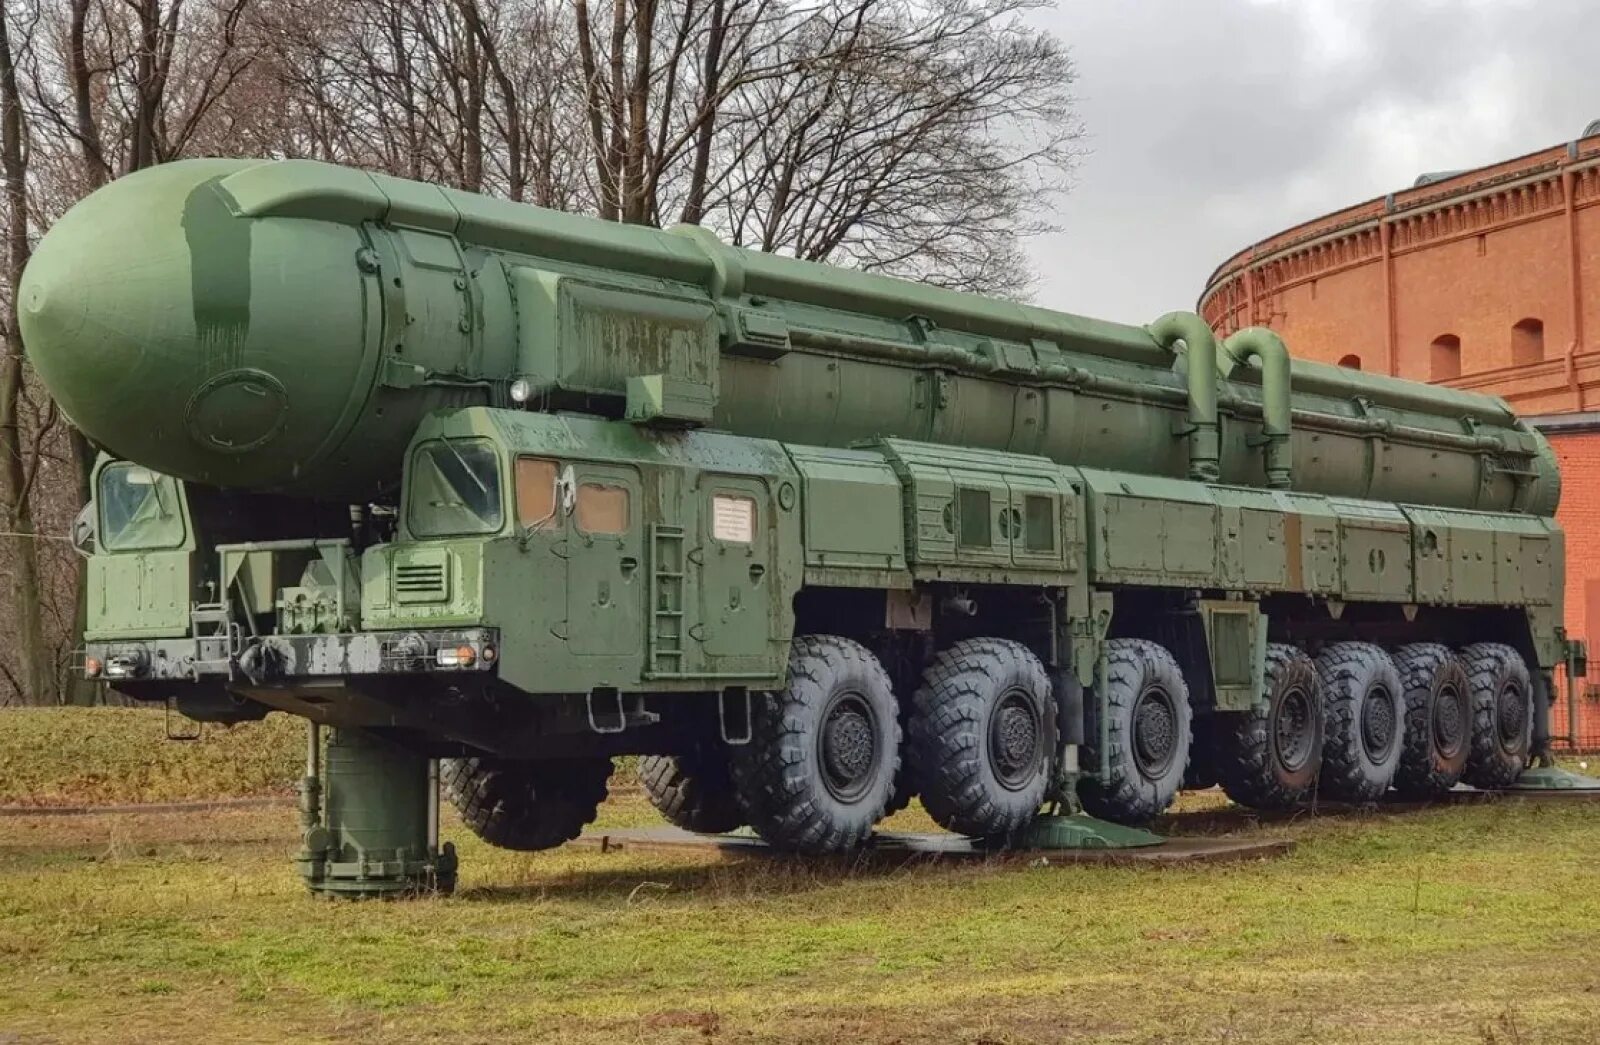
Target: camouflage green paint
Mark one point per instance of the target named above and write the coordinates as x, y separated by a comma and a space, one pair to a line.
477, 293
219, 274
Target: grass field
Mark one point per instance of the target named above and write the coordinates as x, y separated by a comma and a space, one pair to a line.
1456, 924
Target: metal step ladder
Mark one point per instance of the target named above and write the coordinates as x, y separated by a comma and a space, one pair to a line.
667, 583
218, 640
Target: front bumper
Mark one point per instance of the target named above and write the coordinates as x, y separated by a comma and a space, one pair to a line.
266, 659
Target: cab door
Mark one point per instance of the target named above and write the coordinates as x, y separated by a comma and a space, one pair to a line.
737, 618
605, 587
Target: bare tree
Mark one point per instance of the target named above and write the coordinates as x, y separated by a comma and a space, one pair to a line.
31, 672
922, 138
91, 90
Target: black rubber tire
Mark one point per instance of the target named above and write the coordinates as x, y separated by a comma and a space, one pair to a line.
1257, 768
1144, 774
1363, 704
1438, 735
1202, 770
522, 805
784, 778
693, 791
1502, 714
953, 737
904, 789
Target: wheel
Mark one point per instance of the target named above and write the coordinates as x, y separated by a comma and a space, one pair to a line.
1148, 724
1269, 756
820, 766
693, 791
523, 805
1438, 733
1363, 721
1202, 770
904, 789
981, 736
1502, 714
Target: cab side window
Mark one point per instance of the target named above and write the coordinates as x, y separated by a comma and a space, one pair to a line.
603, 509
537, 495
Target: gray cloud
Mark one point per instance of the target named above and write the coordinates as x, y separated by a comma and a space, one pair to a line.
1214, 123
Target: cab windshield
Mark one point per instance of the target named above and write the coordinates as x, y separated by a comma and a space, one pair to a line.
455, 489
139, 509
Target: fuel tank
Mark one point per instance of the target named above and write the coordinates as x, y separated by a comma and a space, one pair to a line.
285, 325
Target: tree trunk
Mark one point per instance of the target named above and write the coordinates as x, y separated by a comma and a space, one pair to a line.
35, 673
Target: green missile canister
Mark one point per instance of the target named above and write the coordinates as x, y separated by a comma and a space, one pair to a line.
286, 325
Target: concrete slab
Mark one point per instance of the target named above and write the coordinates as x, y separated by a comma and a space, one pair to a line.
891, 846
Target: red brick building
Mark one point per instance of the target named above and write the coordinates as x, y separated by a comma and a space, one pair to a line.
1486, 280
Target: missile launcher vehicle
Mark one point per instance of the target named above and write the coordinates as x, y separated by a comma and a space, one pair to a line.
499, 494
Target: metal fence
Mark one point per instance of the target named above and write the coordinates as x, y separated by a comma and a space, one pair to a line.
1575, 715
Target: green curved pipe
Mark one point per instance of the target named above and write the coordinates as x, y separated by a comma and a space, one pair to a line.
1201, 346
1272, 356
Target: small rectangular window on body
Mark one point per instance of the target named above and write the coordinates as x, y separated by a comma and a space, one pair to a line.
602, 509
733, 518
972, 518
1039, 523
536, 492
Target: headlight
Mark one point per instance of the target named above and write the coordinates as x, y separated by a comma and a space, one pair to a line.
457, 657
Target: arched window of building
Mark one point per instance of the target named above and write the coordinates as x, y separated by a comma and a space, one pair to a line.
1444, 358
1527, 342
1351, 362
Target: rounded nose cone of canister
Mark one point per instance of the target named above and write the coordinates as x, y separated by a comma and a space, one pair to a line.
180, 335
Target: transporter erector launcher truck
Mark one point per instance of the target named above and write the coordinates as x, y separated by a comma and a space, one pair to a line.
502, 493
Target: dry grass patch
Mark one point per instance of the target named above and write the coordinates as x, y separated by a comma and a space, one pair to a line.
1453, 924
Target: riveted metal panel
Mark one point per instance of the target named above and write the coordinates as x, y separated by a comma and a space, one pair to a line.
1311, 540
1152, 531
1252, 542
1430, 554
854, 516
1004, 516
1375, 550
1488, 558
1236, 639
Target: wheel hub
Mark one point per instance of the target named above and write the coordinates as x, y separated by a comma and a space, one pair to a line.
849, 748
1155, 731
1293, 730
1511, 714
1014, 730
1377, 723
1449, 722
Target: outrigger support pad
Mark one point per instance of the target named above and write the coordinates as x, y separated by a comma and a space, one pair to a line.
1554, 778
1081, 831
375, 830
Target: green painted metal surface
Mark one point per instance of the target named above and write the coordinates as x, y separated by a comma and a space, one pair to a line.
373, 835
288, 324
1082, 831
1554, 778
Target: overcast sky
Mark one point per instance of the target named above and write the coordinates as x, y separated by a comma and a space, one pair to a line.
1214, 123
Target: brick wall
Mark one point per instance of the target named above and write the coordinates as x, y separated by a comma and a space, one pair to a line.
1579, 516
1463, 262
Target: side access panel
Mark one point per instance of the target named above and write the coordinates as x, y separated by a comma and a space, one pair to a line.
1486, 558
1374, 551
738, 544
986, 516
1152, 531
1311, 537
1236, 640
854, 518
139, 594
1252, 540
